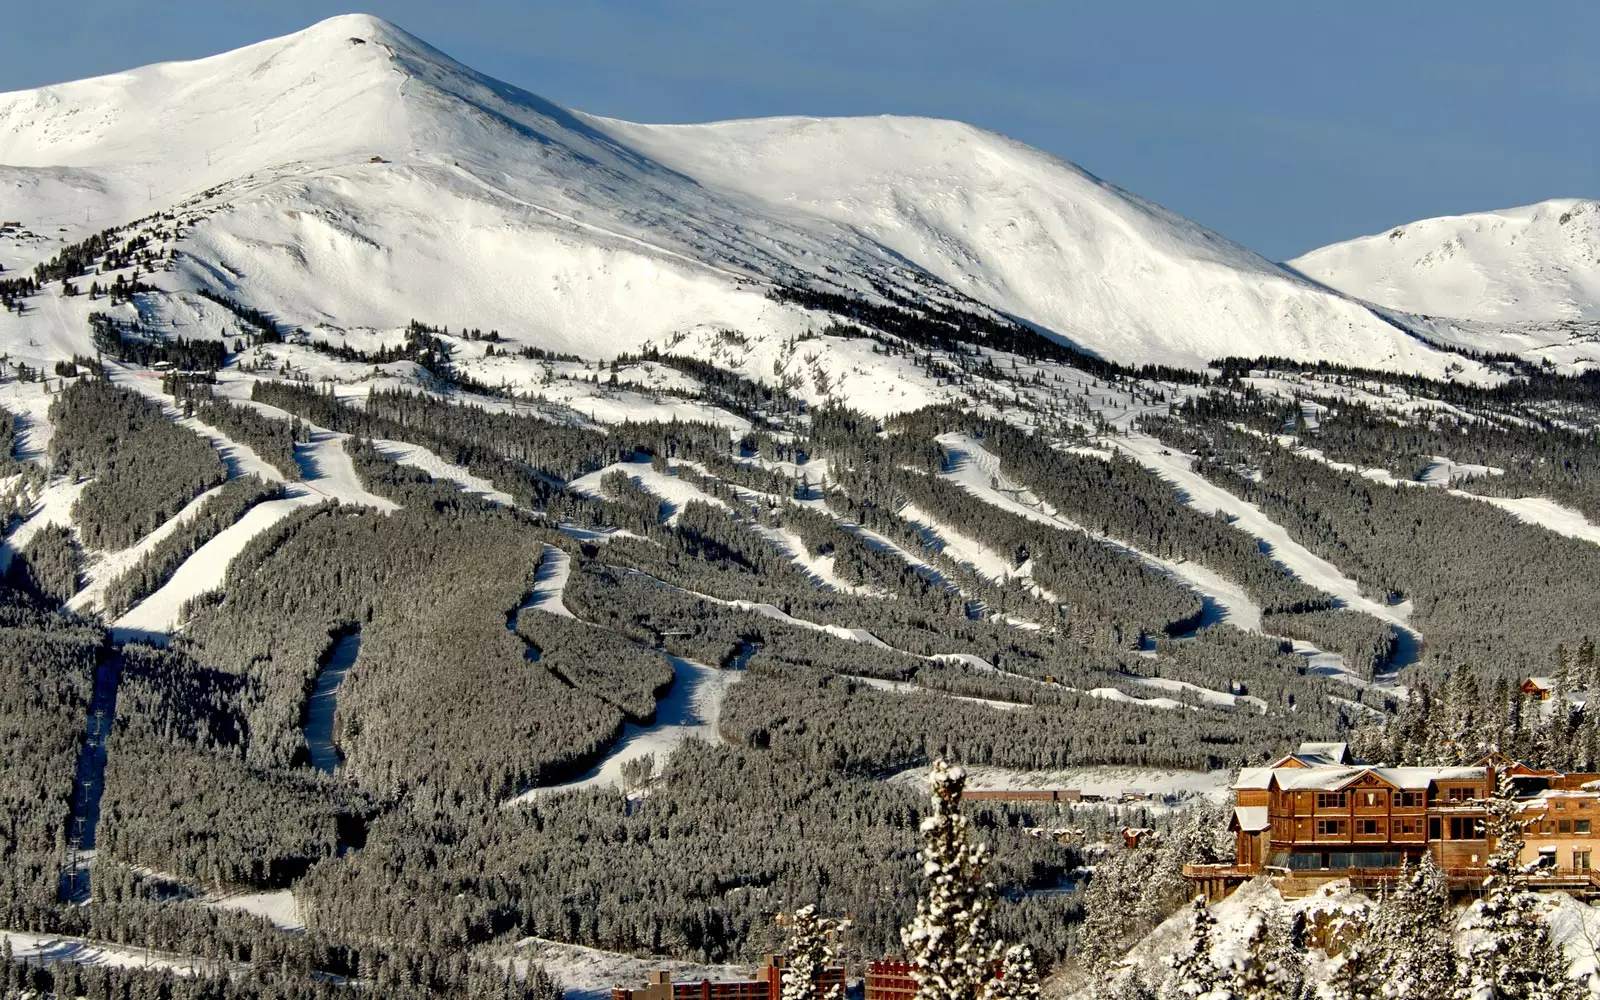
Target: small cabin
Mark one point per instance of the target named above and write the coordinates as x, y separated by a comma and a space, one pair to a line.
1539, 688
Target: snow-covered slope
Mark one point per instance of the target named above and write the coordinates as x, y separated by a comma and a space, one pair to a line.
1535, 264
351, 177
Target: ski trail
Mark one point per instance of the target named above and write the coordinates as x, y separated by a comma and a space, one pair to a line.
1201, 494
691, 710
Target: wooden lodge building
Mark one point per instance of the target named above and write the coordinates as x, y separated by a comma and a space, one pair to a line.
1318, 815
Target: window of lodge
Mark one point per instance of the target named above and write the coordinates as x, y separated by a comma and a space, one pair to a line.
1330, 800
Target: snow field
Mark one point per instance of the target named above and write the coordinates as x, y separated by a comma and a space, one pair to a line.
974, 468
1107, 780
589, 973
550, 582
690, 710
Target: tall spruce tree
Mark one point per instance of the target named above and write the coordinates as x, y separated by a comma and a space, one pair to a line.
1514, 956
813, 948
951, 947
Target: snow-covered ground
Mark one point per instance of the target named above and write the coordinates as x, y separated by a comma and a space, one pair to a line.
907, 687
550, 582
589, 973
1545, 513
160, 614
1201, 494
105, 567
421, 458
1220, 699
52, 505
673, 491
461, 200
1106, 780
1516, 265
60, 948
1574, 924
977, 470
690, 711
278, 906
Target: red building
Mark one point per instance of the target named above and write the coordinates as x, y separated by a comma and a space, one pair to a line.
890, 979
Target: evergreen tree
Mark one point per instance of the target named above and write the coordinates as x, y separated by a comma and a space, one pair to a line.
1018, 979
1272, 967
813, 948
1194, 971
1514, 957
952, 950
1415, 924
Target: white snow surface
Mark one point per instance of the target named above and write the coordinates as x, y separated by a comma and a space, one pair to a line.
54, 948
1546, 513
349, 177
1202, 494
691, 710
550, 582
1109, 780
977, 470
1517, 265
589, 973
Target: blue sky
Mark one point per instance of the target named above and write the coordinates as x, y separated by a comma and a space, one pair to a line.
1282, 125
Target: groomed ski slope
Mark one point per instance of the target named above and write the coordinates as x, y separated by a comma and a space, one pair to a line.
1201, 494
690, 710
974, 469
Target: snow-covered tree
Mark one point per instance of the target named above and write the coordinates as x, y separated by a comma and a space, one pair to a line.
1413, 929
1357, 971
1018, 979
951, 947
1194, 972
1513, 956
1272, 967
813, 947
1131, 986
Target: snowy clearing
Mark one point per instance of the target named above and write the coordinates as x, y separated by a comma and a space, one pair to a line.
106, 567
279, 906
1107, 780
589, 973
1201, 494
674, 492
419, 457
1545, 513
550, 583
977, 470
689, 711
159, 614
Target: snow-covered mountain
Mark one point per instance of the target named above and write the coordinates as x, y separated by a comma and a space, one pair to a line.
351, 177
1535, 264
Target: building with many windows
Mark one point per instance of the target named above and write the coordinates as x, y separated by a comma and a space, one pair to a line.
768, 985
1319, 815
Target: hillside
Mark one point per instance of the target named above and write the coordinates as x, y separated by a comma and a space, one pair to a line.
1538, 263
496, 209
450, 539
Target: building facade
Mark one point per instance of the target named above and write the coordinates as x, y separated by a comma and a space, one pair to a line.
890, 979
1319, 815
768, 985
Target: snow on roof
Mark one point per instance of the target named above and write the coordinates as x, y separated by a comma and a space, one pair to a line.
1337, 753
1254, 778
1331, 779
1547, 683
1251, 819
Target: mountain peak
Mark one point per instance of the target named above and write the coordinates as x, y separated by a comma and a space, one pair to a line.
1536, 263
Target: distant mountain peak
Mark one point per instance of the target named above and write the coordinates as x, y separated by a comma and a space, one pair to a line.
353, 176
1536, 263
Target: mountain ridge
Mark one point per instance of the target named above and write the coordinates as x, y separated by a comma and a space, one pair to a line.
351, 177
